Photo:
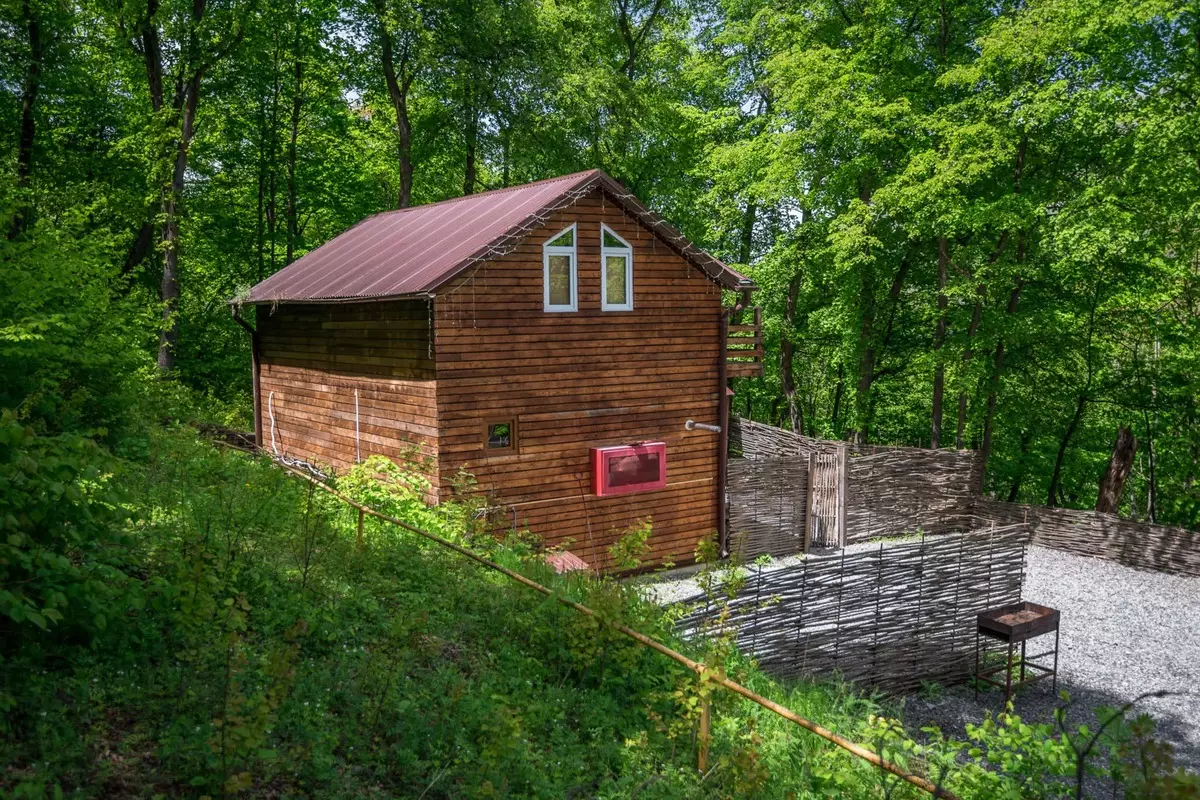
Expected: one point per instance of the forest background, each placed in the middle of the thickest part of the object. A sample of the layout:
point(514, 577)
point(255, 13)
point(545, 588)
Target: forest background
point(975, 224)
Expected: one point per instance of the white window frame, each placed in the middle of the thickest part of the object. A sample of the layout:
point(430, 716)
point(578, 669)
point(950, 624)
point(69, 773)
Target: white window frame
point(561, 250)
point(605, 252)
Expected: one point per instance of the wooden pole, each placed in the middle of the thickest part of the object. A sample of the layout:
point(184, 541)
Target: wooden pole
point(360, 530)
point(723, 436)
point(808, 502)
point(705, 733)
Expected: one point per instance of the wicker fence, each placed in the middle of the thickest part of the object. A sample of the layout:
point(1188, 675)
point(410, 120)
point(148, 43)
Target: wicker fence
point(756, 440)
point(1088, 533)
point(896, 491)
point(889, 616)
point(878, 492)
point(768, 506)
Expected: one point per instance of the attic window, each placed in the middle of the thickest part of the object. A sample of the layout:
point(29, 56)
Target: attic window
point(560, 279)
point(616, 260)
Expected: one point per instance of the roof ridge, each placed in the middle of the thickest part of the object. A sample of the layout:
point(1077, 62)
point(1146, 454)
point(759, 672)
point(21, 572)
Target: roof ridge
point(489, 192)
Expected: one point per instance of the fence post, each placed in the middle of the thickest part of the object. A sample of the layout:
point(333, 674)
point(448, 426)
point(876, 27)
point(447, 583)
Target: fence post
point(808, 502)
point(360, 530)
point(841, 495)
point(705, 729)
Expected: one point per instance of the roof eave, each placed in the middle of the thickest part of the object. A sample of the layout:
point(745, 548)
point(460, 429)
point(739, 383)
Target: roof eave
point(270, 301)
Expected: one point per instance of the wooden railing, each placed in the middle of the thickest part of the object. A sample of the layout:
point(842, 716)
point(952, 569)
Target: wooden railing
point(744, 348)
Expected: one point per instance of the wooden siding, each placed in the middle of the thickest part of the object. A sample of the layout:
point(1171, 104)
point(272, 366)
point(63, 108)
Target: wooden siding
point(580, 380)
point(314, 357)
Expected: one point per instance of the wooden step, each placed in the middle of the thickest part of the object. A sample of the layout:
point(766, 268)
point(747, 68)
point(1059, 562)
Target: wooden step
point(744, 369)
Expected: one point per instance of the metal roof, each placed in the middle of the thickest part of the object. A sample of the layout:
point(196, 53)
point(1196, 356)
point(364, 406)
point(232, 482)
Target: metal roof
point(413, 251)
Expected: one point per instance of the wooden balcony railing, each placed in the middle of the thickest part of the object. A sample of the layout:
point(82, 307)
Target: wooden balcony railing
point(744, 348)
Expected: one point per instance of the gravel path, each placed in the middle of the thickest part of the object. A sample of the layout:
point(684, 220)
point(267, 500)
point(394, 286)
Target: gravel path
point(1123, 632)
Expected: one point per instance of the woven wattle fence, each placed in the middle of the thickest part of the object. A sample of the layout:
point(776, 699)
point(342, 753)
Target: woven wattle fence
point(888, 491)
point(755, 440)
point(889, 616)
point(899, 490)
point(1143, 545)
point(767, 509)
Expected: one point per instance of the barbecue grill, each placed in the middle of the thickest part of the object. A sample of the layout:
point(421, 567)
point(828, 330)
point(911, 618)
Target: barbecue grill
point(1015, 624)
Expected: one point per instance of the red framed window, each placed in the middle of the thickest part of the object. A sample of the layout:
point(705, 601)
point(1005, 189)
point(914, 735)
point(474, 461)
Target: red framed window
point(626, 469)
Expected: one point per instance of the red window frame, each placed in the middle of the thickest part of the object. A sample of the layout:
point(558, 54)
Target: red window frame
point(601, 456)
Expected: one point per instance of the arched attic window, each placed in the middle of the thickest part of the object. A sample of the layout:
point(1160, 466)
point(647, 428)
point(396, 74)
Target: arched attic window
point(560, 278)
point(616, 263)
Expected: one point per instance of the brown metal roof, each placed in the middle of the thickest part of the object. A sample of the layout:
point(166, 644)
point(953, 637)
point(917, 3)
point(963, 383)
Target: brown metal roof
point(416, 250)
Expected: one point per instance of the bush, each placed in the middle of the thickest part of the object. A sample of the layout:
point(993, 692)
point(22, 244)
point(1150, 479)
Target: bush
point(63, 540)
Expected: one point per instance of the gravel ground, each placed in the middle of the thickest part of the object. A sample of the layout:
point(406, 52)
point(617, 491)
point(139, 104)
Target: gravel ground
point(1123, 632)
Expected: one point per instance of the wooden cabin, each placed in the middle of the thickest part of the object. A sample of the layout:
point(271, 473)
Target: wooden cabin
point(557, 341)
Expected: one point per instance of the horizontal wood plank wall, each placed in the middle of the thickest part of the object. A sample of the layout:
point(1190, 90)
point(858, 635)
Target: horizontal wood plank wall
point(313, 359)
point(579, 380)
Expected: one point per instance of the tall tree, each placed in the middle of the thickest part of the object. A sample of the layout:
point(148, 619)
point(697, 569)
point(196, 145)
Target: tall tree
point(177, 46)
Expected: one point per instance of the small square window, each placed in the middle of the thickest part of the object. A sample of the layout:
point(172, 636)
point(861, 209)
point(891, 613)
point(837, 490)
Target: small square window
point(500, 437)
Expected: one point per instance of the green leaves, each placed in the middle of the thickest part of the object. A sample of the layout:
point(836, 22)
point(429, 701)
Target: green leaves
point(63, 549)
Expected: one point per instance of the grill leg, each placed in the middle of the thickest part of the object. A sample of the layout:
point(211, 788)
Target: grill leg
point(1054, 680)
point(976, 664)
point(1008, 665)
point(1022, 662)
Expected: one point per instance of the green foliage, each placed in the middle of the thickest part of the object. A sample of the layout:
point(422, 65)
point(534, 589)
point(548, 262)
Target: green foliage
point(63, 545)
point(632, 546)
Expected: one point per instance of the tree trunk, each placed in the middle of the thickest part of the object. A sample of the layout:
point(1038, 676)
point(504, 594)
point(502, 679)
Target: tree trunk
point(398, 83)
point(1014, 491)
point(864, 406)
point(1112, 485)
point(142, 247)
point(968, 354)
point(866, 360)
point(939, 339)
point(261, 220)
point(838, 391)
point(470, 137)
point(997, 365)
point(143, 243)
point(787, 352)
point(746, 246)
point(1018, 173)
point(293, 224)
point(1151, 477)
point(1056, 476)
point(29, 92)
point(169, 336)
